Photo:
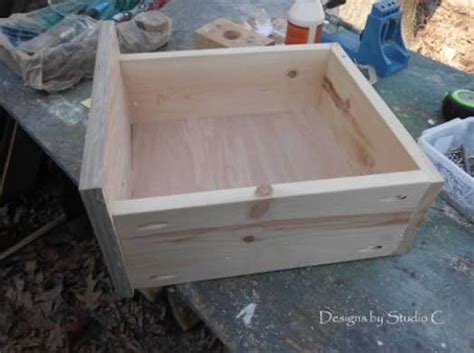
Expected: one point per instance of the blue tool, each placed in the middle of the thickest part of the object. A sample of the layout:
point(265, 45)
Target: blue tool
point(379, 45)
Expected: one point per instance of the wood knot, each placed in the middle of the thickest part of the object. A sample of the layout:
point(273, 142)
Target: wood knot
point(264, 191)
point(292, 73)
point(248, 238)
point(259, 209)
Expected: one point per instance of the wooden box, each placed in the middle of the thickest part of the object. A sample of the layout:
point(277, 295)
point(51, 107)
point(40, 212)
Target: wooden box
point(215, 163)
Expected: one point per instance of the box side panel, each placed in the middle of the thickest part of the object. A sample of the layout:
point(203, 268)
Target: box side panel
point(96, 208)
point(391, 193)
point(386, 144)
point(158, 261)
point(280, 227)
point(418, 216)
point(357, 122)
point(375, 130)
point(106, 166)
point(223, 82)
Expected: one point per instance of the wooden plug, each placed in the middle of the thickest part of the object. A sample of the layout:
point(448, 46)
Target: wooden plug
point(224, 33)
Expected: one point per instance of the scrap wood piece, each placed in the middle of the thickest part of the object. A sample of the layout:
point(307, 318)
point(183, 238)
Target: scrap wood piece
point(36, 234)
point(151, 293)
point(29, 216)
point(183, 315)
point(224, 33)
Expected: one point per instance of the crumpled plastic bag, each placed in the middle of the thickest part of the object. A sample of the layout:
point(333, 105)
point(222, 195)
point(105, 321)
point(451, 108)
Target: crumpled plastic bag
point(63, 55)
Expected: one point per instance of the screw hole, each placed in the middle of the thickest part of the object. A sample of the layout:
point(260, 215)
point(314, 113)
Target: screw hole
point(372, 248)
point(148, 227)
point(161, 277)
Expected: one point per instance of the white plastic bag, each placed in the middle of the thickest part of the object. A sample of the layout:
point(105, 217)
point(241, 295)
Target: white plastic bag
point(61, 56)
point(458, 187)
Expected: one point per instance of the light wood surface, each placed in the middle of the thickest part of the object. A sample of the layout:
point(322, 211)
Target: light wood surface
point(173, 157)
point(223, 82)
point(357, 123)
point(157, 261)
point(383, 124)
point(418, 216)
point(176, 239)
point(389, 136)
point(374, 194)
point(106, 163)
point(224, 33)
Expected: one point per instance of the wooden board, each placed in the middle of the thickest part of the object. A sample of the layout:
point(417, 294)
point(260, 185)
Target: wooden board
point(175, 239)
point(224, 33)
point(106, 164)
point(223, 82)
point(159, 261)
point(384, 193)
point(390, 132)
point(179, 156)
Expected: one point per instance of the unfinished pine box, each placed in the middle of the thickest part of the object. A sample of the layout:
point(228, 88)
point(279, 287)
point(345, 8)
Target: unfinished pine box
point(215, 163)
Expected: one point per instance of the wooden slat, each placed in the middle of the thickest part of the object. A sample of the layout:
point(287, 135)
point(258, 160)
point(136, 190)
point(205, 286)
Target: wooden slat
point(389, 193)
point(357, 124)
point(223, 82)
point(96, 207)
point(418, 216)
point(374, 116)
point(106, 161)
point(158, 261)
point(377, 137)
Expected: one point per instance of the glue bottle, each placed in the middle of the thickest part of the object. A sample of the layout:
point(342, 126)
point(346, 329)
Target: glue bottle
point(305, 22)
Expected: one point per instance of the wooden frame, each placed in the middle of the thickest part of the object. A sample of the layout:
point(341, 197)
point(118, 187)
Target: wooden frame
point(216, 163)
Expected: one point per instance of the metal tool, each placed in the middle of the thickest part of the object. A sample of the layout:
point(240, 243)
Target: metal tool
point(461, 157)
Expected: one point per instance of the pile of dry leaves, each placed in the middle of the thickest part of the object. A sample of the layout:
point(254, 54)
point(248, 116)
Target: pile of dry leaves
point(447, 33)
point(56, 296)
point(442, 30)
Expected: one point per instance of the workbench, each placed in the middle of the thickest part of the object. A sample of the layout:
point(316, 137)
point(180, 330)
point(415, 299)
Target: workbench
point(289, 311)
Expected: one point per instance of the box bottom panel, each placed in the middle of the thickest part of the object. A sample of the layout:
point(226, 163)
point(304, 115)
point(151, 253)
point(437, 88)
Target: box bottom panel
point(163, 260)
point(178, 156)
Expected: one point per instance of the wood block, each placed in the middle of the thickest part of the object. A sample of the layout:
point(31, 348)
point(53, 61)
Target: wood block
point(224, 33)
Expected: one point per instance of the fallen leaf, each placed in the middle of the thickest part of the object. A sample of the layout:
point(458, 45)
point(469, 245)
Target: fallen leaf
point(91, 296)
point(54, 341)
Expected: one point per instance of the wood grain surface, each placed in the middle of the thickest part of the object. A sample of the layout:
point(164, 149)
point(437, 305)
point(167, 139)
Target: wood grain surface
point(106, 163)
point(190, 155)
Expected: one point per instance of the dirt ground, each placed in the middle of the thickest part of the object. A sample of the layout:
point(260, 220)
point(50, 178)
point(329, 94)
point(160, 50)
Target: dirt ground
point(56, 296)
point(442, 30)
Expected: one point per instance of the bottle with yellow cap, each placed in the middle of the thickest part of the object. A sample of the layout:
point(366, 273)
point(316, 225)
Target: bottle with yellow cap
point(305, 22)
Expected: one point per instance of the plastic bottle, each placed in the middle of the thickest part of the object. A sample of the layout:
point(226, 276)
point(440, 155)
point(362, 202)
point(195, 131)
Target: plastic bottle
point(305, 22)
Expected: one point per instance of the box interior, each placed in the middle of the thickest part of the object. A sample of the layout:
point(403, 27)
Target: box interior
point(213, 122)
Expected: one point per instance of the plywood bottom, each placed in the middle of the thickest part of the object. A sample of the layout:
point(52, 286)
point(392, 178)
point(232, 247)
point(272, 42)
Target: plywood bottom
point(200, 154)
